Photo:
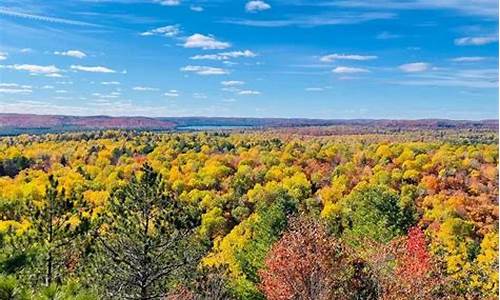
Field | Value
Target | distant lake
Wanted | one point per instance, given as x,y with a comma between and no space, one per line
212,127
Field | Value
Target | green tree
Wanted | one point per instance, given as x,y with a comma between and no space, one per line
49,247
373,212
146,240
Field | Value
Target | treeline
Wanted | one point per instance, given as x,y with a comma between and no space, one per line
123,215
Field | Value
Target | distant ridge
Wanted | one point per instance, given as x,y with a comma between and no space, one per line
28,121
61,122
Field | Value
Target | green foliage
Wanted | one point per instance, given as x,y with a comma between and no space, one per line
146,242
373,212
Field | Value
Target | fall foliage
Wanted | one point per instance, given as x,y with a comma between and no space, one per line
305,213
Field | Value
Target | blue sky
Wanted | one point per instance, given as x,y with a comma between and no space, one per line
274,58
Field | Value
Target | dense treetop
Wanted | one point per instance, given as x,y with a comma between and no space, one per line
435,193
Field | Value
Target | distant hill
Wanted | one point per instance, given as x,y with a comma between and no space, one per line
32,123
299,122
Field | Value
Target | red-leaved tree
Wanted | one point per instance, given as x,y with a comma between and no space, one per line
416,275
307,263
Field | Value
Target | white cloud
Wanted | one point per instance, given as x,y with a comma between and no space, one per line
475,41
168,2
349,70
55,75
71,53
232,82
314,89
3,55
145,89
468,59
472,78
15,91
385,35
110,82
199,96
168,31
205,42
196,8
483,7
253,6
14,88
8,12
249,92
204,70
225,55
92,69
333,57
414,67
61,91
102,97
172,93
34,69
230,89
47,87
315,20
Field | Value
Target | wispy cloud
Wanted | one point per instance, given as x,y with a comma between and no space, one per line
232,82
468,59
145,89
334,57
315,20
349,70
172,93
196,8
110,83
415,67
254,6
484,7
168,2
71,53
14,88
205,42
385,35
3,55
204,70
92,69
249,92
475,40
8,12
314,89
473,78
230,89
168,31
199,96
34,69
224,55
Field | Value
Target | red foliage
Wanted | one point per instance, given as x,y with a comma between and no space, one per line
415,262
306,263
415,274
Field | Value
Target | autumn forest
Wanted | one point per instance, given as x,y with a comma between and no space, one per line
298,213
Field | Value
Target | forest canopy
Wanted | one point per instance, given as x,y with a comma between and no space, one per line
272,214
